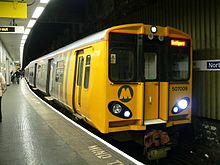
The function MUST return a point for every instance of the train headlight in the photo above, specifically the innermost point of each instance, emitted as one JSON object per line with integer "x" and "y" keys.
{"x": 175, "y": 109}
{"x": 127, "y": 114}
{"x": 116, "y": 108}
{"x": 120, "y": 110}
{"x": 181, "y": 105}
{"x": 153, "y": 29}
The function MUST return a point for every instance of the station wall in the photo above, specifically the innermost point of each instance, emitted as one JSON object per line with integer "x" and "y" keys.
{"x": 6, "y": 63}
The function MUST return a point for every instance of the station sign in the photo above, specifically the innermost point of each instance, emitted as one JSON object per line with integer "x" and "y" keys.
{"x": 207, "y": 65}
{"x": 213, "y": 65}
{"x": 13, "y": 9}
{"x": 11, "y": 29}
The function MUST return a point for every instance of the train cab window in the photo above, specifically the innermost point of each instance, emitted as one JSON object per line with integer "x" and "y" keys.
{"x": 150, "y": 66}
{"x": 87, "y": 71}
{"x": 179, "y": 65}
{"x": 122, "y": 57}
{"x": 80, "y": 71}
{"x": 121, "y": 65}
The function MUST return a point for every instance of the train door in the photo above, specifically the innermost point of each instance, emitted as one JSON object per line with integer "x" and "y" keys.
{"x": 35, "y": 73}
{"x": 153, "y": 111}
{"x": 50, "y": 72}
{"x": 56, "y": 78}
{"x": 31, "y": 76}
{"x": 81, "y": 95}
{"x": 59, "y": 79}
{"x": 151, "y": 87}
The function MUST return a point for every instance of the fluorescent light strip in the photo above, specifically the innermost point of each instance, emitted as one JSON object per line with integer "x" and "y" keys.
{"x": 37, "y": 12}
{"x": 24, "y": 37}
{"x": 44, "y": 1}
{"x": 27, "y": 31}
{"x": 31, "y": 23}
{"x": 23, "y": 41}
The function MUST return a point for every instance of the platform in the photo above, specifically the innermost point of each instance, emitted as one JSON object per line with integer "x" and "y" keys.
{"x": 33, "y": 133}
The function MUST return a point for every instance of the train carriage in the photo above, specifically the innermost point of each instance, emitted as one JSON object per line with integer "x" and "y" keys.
{"x": 124, "y": 78}
{"x": 30, "y": 73}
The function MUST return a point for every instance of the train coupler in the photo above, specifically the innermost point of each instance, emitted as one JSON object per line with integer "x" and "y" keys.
{"x": 156, "y": 143}
{"x": 156, "y": 153}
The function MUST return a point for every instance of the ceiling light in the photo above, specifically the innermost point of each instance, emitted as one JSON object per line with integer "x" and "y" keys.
{"x": 44, "y": 1}
{"x": 23, "y": 41}
{"x": 37, "y": 12}
{"x": 27, "y": 31}
{"x": 24, "y": 37}
{"x": 31, "y": 23}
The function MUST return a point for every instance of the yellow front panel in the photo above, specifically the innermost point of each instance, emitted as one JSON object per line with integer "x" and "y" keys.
{"x": 13, "y": 10}
{"x": 164, "y": 95}
{"x": 131, "y": 95}
{"x": 151, "y": 100}
{"x": 177, "y": 92}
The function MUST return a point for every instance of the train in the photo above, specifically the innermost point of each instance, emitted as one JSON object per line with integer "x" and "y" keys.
{"x": 123, "y": 80}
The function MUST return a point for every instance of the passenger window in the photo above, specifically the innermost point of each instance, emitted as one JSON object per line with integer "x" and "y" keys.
{"x": 39, "y": 70}
{"x": 80, "y": 69}
{"x": 59, "y": 71}
{"x": 150, "y": 66}
{"x": 87, "y": 71}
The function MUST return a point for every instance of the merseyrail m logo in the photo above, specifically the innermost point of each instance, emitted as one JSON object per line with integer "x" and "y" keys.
{"x": 125, "y": 93}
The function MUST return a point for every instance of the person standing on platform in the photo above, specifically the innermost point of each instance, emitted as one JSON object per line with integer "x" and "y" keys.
{"x": 2, "y": 90}
{"x": 17, "y": 76}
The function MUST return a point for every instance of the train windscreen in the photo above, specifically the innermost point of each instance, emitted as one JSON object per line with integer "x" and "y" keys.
{"x": 179, "y": 63}
{"x": 136, "y": 58}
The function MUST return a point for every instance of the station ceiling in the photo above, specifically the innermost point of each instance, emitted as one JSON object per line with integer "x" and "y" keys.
{"x": 81, "y": 17}
{"x": 10, "y": 40}
{"x": 47, "y": 34}
{"x": 56, "y": 17}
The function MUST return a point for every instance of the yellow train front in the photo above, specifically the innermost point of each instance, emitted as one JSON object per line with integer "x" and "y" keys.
{"x": 149, "y": 78}
{"x": 149, "y": 82}
{"x": 125, "y": 78}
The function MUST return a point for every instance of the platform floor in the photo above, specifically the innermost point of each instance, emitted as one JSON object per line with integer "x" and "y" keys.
{"x": 32, "y": 133}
